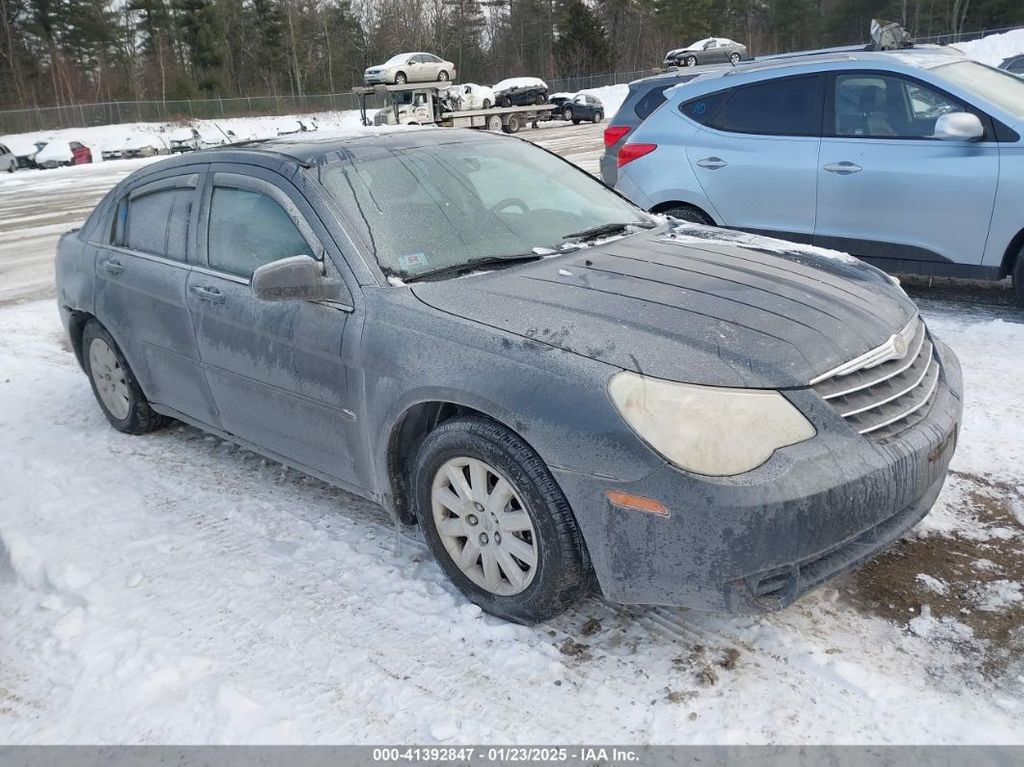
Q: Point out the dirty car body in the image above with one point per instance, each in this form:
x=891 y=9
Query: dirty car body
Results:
x=354 y=385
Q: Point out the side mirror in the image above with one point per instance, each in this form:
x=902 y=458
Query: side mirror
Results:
x=958 y=126
x=299 y=278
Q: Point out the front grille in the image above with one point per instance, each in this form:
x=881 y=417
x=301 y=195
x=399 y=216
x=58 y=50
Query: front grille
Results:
x=883 y=393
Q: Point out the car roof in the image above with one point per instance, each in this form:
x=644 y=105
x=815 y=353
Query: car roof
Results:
x=923 y=57
x=319 y=150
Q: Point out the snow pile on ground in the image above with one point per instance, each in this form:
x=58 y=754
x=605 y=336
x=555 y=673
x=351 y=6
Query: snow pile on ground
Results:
x=611 y=96
x=993 y=49
x=98 y=138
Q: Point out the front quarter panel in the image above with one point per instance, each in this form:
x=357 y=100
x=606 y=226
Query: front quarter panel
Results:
x=555 y=400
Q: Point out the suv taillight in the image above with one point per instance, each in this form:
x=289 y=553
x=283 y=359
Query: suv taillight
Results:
x=631 y=152
x=613 y=133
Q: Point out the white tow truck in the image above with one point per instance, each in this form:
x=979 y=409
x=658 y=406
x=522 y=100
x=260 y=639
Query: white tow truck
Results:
x=440 y=104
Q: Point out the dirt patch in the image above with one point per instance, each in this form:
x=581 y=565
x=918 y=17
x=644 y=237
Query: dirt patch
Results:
x=974 y=582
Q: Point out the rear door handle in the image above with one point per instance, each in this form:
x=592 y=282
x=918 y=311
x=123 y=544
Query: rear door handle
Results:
x=112 y=266
x=844 y=168
x=208 y=293
x=712 y=163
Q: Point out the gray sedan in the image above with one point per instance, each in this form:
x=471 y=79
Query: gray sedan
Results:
x=564 y=392
x=711 y=50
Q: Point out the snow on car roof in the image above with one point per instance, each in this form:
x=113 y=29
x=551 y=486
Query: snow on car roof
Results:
x=519 y=82
x=400 y=58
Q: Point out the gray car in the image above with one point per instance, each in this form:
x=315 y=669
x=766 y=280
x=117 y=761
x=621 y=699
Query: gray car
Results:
x=564 y=392
x=710 y=50
x=912 y=160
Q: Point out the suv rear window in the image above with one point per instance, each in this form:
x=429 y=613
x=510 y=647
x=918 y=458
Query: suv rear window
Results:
x=785 y=107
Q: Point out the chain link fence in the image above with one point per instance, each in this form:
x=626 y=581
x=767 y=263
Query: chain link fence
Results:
x=112 y=112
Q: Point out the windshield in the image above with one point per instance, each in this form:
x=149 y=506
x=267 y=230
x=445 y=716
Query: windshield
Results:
x=994 y=85
x=401 y=58
x=430 y=208
x=700 y=43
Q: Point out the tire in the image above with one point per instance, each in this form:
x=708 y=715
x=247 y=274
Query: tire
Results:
x=561 y=571
x=494 y=123
x=734 y=58
x=567 y=114
x=575 y=122
x=513 y=125
x=539 y=99
x=597 y=117
x=401 y=79
x=691 y=61
x=102 y=358
x=1018 y=277
x=487 y=104
x=688 y=213
x=442 y=76
x=505 y=101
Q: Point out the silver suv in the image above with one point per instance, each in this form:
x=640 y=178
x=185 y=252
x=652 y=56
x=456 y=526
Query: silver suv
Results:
x=912 y=160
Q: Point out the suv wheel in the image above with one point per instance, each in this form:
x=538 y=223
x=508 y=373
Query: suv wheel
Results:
x=114 y=384
x=567 y=114
x=497 y=522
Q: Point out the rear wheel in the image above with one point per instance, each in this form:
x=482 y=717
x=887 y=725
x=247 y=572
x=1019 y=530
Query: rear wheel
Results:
x=513 y=125
x=494 y=123
x=401 y=79
x=540 y=98
x=734 y=57
x=114 y=384
x=442 y=76
x=497 y=522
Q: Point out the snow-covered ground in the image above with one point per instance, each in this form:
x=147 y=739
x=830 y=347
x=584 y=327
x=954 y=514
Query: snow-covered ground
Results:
x=174 y=588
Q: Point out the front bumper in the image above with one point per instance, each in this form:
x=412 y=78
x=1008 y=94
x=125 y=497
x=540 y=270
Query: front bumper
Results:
x=759 y=541
x=374 y=79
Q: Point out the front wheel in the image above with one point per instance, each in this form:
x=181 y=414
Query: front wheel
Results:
x=567 y=114
x=114 y=384
x=598 y=117
x=401 y=79
x=487 y=103
x=497 y=522
x=691 y=61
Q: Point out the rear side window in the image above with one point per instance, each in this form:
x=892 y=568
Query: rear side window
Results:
x=249 y=229
x=155 y=223
x=789 y=107
x=704 y=108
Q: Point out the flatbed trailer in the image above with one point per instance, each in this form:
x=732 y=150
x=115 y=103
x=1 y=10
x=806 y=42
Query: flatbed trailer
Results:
x=421 y=104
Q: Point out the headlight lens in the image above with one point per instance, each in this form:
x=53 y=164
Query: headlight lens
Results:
x=706 y=429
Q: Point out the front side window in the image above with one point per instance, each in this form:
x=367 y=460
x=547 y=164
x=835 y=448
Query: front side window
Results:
x=249 y=229
x=433 y=207
x=882 y=106
x=787 y=107
x=156 y=223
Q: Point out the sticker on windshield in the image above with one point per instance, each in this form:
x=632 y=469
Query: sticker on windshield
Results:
x=412 y=261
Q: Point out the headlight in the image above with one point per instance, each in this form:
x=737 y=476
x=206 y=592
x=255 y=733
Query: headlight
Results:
x=707 y=429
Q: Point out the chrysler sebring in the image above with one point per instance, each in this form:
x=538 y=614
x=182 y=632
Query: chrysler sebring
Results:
x=564 y=392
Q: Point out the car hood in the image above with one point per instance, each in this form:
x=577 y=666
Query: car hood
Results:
x=706 y=312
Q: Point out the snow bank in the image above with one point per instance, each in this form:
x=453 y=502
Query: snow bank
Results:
x=993 y=49
x=103 y=137
x=611 y=96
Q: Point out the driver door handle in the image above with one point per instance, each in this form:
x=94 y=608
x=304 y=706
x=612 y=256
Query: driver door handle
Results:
x=712 y=163
x=112 y=266
x=207 y=293
x=844 y=168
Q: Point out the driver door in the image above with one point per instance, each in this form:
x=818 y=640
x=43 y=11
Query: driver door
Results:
x=276 y=369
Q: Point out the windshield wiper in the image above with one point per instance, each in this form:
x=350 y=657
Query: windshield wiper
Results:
x=607 y=229
x=473 y=264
